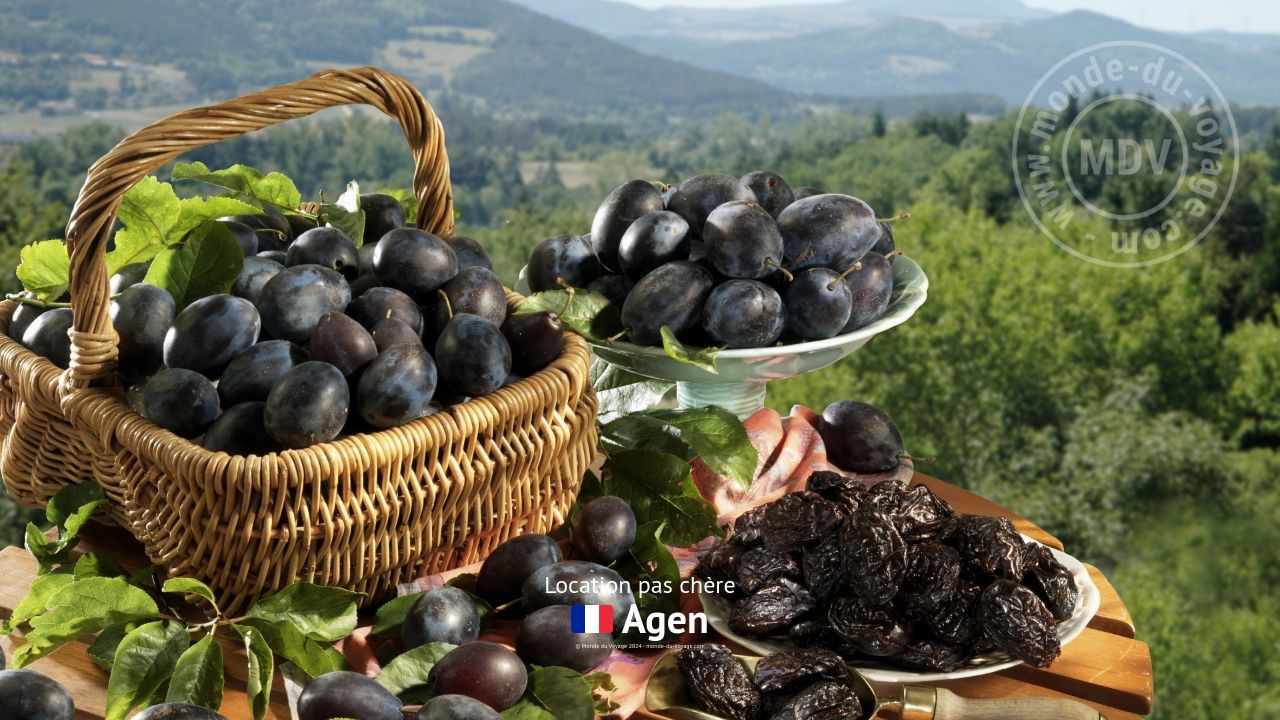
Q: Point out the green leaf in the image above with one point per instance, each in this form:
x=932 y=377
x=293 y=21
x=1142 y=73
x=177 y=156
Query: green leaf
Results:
x=198 y=677
x=316 y=611
x=704 y=358
x=657 y=567
x=621 y=391
x=190 y=586
x=388 y=619
x=409 y=670
x=71 y=501
x=312 y=657
x=194 y=211
x=97 y=564
x=148 y=212
x=659 y=487
x=555 y=692
x=346 y=214
x=244 y=182
x=45 y=269
x=36 y=600
x=144 y=660
x=84 y=607
x=206 y=262
x=261 y=669
x=714 y=434
x=587 y=313
x=103 y=650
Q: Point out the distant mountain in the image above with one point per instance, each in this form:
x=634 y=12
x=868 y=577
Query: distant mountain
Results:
x=913 y=56
x=615 y=19
x=505 y=56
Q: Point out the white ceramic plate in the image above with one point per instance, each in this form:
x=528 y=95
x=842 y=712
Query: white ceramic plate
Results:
x=718 y=609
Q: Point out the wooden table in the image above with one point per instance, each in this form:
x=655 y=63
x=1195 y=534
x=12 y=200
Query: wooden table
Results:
x=1105 y=667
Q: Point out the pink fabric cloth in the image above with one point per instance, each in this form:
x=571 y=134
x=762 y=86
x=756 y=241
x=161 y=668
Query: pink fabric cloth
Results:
x=790 y=450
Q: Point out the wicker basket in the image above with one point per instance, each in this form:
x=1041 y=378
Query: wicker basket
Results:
x=365 y=512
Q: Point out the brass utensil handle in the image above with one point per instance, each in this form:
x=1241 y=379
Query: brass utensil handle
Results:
x=922 y=703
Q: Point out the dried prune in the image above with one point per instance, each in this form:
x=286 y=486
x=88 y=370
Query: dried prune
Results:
x=746 y=529
x=932 y=655
x=791 y=670
x=873 y=630
x=759 y=566
x=1018 y=623
x=922 y=515
x=873 y=556
x=933 y=570
x=774 y=608
x=885 y=497
x=844 y=491
x=813 y=633
x=989 y=546
x=954 y=621
x=718 y=682
x=798 y=519
x=824 y=701
x=1051 y=582
x=720 y=562
x=821 y=566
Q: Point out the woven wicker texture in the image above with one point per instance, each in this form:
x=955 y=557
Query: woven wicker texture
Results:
x=365 y=512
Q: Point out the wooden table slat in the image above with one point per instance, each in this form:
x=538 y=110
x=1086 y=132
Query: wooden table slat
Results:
x=1001 y=686
x=1099 y=666
x=1113 y=617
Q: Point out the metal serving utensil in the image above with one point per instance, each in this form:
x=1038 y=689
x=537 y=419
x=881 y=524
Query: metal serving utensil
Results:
x=667 y=695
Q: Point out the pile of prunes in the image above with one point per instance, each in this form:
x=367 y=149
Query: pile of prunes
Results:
x=891 y=575
x=802 y=684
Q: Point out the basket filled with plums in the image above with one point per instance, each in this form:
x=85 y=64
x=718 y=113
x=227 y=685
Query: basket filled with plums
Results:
x=289 y=390
x=750 y=279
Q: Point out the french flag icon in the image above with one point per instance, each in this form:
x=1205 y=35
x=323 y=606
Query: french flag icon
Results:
x=591 y=618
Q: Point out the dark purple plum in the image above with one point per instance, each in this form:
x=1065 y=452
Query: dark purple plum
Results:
x=415 y=262
x=293 y=301
x=343 y=343
x=671 y=295
x=472 y=356
x=604 y=530
x=128 y=275
x=240 y=430
x=744 y=314
x=390 y=332
x=183 y=402
x=444 y=614
x=567 y=259
x=244 y=236
x=818 y=304
x=47 y=336
x=254 y=276
x=830 y=231
x=456 y=707
x=485 y=671
x=141 y=316
x=536 y=339
x=379 y=303
x=476 y=291
x=860 y=437
x=327 y=247
x=347 y=695
x=209 y=332
x=621 y=207
x=577 y=582
x=742 y=241
x=382 y=214
x=503 y=573
x=695 y=198
x=653 y=240
x=546 y=638
x=871 y=287
x=308 y=405
x=771 y=191
x=805 y=191
x=614 y=287
x=885 y=244
x=27 y=695
x=397 y=386
x=251 y=374
x=470 y=253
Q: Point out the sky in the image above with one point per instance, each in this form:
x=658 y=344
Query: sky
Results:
x=1256 y=16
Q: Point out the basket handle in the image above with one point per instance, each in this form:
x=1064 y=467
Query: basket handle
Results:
x=93 y=340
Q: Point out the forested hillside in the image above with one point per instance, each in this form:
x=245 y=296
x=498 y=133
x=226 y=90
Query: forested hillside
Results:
x=1133 y=413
